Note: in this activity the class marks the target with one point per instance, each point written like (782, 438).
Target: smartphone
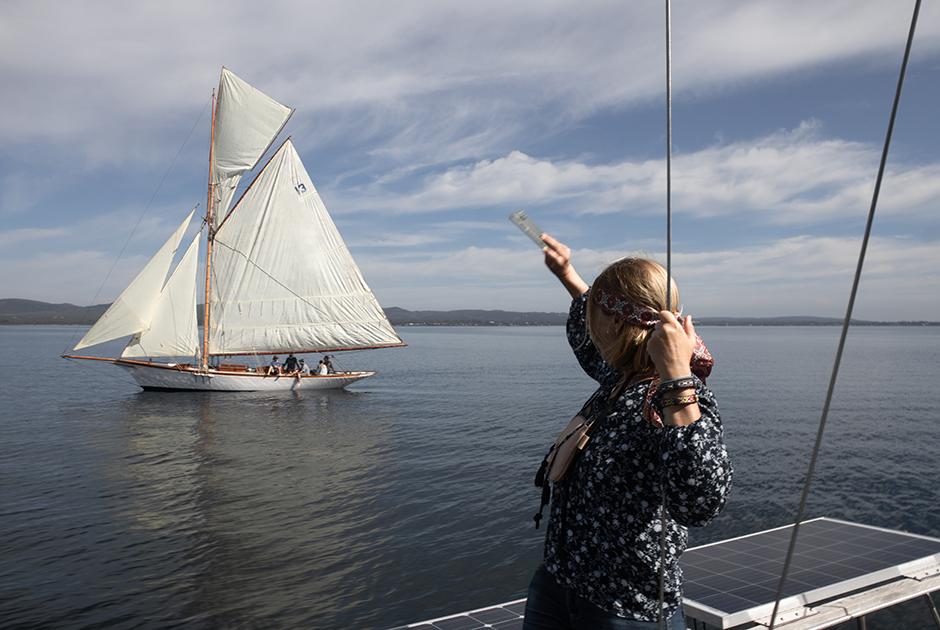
(528, 226)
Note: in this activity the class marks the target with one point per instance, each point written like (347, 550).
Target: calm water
(410, 495)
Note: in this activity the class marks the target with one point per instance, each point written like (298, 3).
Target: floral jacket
(603, 538)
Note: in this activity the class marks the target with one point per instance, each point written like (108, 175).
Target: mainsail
(282, 277)
(133, 311)
(246, 122)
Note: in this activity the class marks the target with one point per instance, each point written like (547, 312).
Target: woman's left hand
(670, 346)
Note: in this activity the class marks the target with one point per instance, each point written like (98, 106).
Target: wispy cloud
(796, 276)
(424, 123)
(796, 176)
(13, 238)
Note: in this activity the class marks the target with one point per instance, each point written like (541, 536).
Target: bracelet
(680, 400)
(677, 383)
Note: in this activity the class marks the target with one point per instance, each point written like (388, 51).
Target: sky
(424, 124)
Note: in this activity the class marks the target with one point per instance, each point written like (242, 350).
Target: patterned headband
(646, 317)
(642, 316)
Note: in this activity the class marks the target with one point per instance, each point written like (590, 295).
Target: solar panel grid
(736, 581)
(740, 575)
(506, 616)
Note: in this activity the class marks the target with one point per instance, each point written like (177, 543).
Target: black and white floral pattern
(610, 501)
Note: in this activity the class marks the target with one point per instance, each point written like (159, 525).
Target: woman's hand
(670, 347)
(558, 261)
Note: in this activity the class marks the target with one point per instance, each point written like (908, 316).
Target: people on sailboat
(659, 447)
(329, 366)
(304, 369)
(275, 367)
(322, 369)
(290, 365)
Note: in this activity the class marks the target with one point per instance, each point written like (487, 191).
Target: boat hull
(176, 377)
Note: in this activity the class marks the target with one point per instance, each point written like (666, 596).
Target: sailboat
(278, 277)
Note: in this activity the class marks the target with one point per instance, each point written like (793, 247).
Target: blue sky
(425, 123)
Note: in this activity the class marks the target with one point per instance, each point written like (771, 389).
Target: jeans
(553, 607)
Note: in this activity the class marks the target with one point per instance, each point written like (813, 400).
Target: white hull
(176, 377)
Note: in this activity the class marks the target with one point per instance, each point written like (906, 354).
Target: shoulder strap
(540, 477)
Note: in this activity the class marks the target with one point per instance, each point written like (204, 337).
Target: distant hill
(799, 321)
(15, 311)
(31, 312)
(401, 317)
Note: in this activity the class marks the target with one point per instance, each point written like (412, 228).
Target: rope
(848, 316)
(268, 275)
(118, 378)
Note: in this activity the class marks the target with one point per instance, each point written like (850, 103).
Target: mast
(210, 227)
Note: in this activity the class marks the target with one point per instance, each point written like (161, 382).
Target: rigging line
(668, 156)
(662, 520)
(278, 282)
(848, 314)
(141, 218)
(102, 372)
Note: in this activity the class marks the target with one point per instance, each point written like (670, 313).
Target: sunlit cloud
(796, 276)
(787, 177)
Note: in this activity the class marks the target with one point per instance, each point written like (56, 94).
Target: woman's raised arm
(558, 261)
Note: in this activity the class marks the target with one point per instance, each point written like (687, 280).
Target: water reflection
(410, 496)
(261, 503)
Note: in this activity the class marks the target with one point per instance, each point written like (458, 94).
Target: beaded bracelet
(678, 383)
(680, 400)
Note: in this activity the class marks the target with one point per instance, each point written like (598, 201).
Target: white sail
(246, 121)
(173, 330)
(133, 310)
(282, 278)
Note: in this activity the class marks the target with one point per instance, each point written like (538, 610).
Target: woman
(659, 439)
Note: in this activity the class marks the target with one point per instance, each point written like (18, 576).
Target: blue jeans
(553, 607)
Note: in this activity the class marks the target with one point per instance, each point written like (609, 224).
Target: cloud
(13, 238)
(718, 42)
(794, 177)
(418, 74)
(813, 276)
(73, 276)
(413, 113)
(796, 276)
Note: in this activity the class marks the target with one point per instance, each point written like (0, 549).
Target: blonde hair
(643, 282)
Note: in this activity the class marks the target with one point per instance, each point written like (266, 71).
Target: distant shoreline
(17, 312)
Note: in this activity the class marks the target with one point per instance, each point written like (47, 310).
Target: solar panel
(735, 581)
(506, 616)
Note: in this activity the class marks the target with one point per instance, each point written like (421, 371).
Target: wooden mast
(210, 226)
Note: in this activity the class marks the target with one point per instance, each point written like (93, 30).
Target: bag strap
(540, 477)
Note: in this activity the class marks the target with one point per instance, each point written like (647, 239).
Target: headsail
(173, 330)
(246, 122)
(283, 278)
(133, 310)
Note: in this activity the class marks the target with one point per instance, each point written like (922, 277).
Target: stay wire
(141, 218)
(848, 317)
(668, 156)
(662, 520)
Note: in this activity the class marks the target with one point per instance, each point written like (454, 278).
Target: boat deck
(840, 571)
